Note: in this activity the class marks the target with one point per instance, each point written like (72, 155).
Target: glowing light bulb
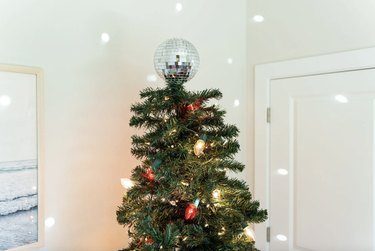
(127, 183)
(222, 232)
(105, 37)
(199, 147)
(173, 202)
(216, 194)
(184, 183)
(249, 232)
(5, 100)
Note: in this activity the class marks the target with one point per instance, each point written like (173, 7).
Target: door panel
(322, 162)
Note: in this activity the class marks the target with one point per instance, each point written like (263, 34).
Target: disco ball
(176, 60)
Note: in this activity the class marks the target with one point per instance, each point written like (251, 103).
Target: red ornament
(149, 240)
(195, 106)
(149, 175)
(190, 212)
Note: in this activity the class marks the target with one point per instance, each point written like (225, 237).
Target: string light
(216, 194)
(173, 131)
(222, 232)
(149, 174)
(249, 232)
(199, 147)
(184, 183)
(127, 183)
(173, 203)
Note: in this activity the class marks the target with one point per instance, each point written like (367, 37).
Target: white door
(321, 162)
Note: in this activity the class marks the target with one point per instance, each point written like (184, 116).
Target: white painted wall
(89, 87)
(301, 28)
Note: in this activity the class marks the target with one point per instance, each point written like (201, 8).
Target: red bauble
(149, 175)
(190, 211)
(195, 106)
(149, 241)
(190, 107)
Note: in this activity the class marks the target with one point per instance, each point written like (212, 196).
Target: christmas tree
(180, 197)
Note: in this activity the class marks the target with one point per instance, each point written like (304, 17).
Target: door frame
(264, 74)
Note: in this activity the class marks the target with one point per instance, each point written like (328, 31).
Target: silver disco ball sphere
(176, 59)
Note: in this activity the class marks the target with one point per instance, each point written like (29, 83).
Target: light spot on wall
(230, 60)
(282, 171)
(258, 18)
(341, 98)
(50, 222)
(105, 37)
(178, 7)
(151, 78)
(236, 103)
(5, 100)
(281, 237)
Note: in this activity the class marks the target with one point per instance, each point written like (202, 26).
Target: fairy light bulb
(173, 131)
(127, 183)
(249, 232)
(199, 147)
(222, 232)
(184, 183)
(216, 194)
(149, 174)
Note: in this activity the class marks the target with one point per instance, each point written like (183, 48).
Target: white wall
(301, 28)
(89, 87)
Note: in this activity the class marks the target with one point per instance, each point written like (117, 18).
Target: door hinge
(268, 234)
(268, 115)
